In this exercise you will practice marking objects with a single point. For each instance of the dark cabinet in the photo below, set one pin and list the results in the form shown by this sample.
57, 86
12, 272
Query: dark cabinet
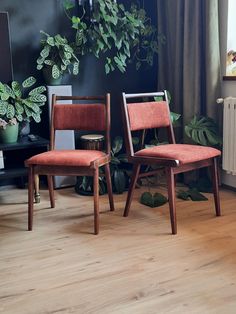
15, 154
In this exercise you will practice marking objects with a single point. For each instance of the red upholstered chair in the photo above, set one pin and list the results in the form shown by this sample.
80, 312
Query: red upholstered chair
140, 115
90, 114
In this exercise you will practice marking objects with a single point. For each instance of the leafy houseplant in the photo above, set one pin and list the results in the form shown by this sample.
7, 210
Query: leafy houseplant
84, 184
21, 102
203, 131
56, 58
117, 164
119, 34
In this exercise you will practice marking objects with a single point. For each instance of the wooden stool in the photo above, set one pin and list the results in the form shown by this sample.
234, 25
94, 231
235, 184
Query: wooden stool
92, 141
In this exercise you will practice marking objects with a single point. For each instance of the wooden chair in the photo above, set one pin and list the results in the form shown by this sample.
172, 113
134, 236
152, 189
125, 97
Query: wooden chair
140, 115
87, 116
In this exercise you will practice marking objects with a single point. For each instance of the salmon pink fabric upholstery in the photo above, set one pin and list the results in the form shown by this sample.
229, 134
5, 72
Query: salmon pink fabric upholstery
80, 158
148, 115
183, 152
88, 117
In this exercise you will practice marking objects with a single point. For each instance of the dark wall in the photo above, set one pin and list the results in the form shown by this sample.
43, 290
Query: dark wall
5, 49
27, 18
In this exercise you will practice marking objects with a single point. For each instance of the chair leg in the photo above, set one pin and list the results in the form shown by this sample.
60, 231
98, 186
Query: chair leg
36, 188
30, 197
96, 200
171, 196
215, 182
109, 186
51, 191
131, 189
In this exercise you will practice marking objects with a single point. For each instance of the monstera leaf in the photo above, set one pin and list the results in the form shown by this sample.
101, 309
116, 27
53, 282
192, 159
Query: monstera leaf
203, 131
192, 194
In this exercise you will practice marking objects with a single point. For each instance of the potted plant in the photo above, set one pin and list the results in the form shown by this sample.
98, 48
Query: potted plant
8, 131
19, 103
56, 58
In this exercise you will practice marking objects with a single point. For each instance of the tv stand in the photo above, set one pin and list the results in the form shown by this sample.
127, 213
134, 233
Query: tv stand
14, 156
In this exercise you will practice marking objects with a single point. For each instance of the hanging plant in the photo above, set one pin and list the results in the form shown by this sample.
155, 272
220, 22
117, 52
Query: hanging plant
57, 56
120, 35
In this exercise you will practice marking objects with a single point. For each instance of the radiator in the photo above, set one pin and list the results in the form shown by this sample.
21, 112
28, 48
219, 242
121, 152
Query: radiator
229, 135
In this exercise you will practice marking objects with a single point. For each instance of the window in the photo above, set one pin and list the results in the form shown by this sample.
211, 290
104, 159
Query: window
231, 40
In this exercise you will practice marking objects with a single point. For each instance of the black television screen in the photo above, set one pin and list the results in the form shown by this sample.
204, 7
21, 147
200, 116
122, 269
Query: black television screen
5, 49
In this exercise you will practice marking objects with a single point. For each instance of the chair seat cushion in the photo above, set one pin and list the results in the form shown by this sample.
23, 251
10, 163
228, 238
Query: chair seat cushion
184, 153
81, 158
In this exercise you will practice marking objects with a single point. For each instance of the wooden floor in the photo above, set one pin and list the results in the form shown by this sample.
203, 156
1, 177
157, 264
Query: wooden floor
133, 266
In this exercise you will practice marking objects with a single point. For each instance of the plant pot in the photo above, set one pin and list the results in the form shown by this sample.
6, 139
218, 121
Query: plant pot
9, 135
49, 80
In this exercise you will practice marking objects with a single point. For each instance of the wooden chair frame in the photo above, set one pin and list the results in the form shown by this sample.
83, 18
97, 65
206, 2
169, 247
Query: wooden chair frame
172, 167
92, 170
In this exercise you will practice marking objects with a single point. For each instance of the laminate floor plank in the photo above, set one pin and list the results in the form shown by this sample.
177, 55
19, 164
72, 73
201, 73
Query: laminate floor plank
133, 266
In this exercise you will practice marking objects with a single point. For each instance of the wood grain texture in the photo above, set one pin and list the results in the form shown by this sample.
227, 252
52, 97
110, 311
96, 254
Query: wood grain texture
61, 118
135, 119
133, 266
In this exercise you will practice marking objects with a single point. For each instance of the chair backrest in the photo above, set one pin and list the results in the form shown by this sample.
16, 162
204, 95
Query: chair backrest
87, 113
144, 112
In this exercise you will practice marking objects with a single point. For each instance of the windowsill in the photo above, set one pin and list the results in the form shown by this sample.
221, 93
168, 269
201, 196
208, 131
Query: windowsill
229, 78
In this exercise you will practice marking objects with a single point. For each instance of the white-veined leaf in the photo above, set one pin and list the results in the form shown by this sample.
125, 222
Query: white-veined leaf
8, 91
16, 88
10, 111
36, 117
29, 82
55, 72
37, 90
3, 107
76, 68
19, 108
38, 98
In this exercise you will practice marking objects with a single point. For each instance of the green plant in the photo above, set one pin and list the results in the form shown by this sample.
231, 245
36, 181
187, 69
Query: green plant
203, 131
21, 101
192, 193
58, 55
118, 34
118, 171
84, 185
153, 200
